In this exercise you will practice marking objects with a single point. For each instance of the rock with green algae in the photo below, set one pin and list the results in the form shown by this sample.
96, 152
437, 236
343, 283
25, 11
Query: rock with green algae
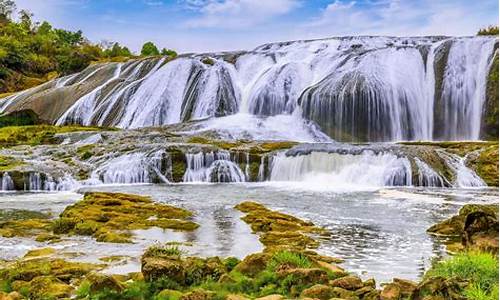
168, 294
318, 291
110, 217
98, 282
279, 231
476, 225
40, 276
439, 288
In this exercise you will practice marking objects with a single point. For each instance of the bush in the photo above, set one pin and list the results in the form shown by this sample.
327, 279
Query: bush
293, 259
478, 268
490, 30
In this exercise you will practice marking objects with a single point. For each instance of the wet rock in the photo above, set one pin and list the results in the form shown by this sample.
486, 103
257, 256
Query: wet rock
363, 291
99, 282
334, 269
253, 264
40, 252
406, 286
370, 282
198, 294
339, 292
348, 283
318, 291
476, 224
199, 270
155, 268
391, 291
236, 297
49, 287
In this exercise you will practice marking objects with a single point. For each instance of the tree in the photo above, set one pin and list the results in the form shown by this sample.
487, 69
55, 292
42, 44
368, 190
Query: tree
149, 49
490, 30
25, 17
7, 7
168, 52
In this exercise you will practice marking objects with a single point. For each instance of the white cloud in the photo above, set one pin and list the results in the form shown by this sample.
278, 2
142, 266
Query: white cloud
237, 13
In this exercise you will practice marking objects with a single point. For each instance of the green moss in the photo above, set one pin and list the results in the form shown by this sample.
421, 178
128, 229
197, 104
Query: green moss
37, 135
486, 165
19, 118
110, 216
85, 152
8, 163
279, 231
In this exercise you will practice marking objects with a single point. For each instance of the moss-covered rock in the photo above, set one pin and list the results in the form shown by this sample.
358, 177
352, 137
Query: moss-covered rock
279, 231
475, 225
110, 217
318, 291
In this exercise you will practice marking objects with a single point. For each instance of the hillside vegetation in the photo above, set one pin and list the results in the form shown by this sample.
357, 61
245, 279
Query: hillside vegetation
32, 52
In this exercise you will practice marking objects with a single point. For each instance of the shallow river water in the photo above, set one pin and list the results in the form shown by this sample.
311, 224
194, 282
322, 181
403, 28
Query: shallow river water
379, 233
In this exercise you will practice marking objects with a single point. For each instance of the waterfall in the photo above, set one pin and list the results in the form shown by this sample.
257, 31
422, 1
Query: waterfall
212, 167
34, 182
262, 175
337, 170
464, 177
132, 168
464, 87
353, 88
427, 176
7, 183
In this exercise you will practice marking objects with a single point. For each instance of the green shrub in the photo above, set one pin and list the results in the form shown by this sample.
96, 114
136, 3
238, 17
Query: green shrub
285, 257
478, 268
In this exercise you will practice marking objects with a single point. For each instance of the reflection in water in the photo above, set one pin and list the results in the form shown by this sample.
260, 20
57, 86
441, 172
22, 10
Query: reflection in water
379, 233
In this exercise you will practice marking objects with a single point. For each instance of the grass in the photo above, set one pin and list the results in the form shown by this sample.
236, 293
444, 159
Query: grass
159, 250
289, 258
478, 268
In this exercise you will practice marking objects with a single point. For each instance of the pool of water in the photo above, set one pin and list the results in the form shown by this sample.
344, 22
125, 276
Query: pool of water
380, 233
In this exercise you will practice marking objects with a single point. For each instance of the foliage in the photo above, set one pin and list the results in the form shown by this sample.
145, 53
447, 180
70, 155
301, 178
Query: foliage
490, 30
149, 49
31, 50
480, 269
168, 52
289, 258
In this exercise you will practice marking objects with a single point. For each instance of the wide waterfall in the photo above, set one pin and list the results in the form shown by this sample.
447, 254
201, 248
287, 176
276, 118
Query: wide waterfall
353, 88
339, 170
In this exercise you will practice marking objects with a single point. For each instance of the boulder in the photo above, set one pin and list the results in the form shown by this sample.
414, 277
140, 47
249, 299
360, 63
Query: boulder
271, 297
318, 291
406, 286
99, 282
339, 292
198, 294
154, 268
391, 291
348, 282
253, 264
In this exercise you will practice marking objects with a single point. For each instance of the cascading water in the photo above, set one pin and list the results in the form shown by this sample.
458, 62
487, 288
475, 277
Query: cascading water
212, 167
366, 169
427, 176
7, 183
354, 88
464, 177
132, 168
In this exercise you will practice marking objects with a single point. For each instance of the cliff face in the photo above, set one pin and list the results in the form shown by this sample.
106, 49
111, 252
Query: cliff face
490, 114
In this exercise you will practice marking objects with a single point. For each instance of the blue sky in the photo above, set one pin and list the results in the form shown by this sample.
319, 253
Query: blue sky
213, 25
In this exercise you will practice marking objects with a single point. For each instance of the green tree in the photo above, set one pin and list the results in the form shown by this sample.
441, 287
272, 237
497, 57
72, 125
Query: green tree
7, 7
168, 52
25, 17
149, 49
490, 30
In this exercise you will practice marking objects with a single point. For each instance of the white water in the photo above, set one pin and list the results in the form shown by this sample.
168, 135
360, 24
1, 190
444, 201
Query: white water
212, 167
132, 168
7, 183
332, 170
427, 176
464, 177
359, 88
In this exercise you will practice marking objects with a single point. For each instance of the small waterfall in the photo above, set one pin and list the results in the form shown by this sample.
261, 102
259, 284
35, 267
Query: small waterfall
132, 168
212, 167
224, 171
427, 176
464, 177
337, 170
262, 175
247, 166
7, 182
34, 182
